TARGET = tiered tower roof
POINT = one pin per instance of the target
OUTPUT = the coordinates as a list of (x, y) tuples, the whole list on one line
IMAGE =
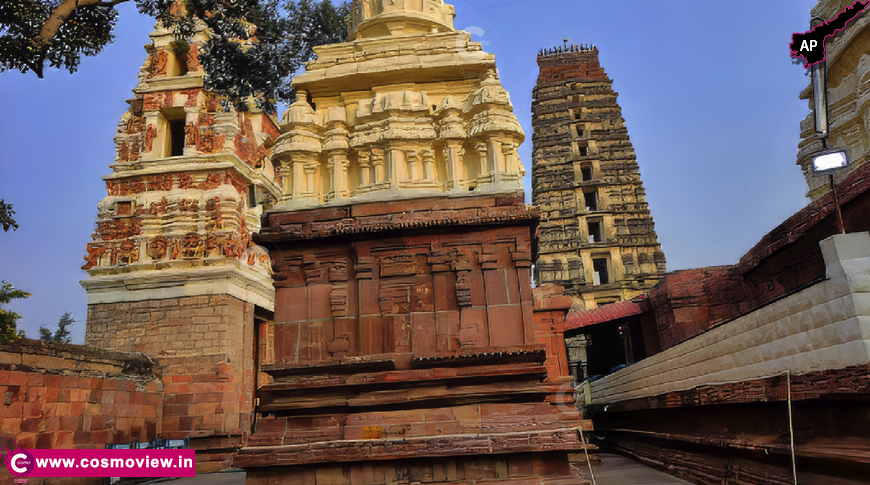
[(597, 237)]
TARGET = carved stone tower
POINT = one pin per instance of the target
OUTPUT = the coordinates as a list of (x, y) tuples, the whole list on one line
[(596, 236), (847, 68), (399, 123), (405, 346), (172, 269)]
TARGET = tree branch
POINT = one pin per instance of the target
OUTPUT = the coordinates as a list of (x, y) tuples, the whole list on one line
[(61, 13)]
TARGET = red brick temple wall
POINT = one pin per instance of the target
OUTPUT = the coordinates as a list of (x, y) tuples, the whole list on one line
[(206, 348), (406, 350), (70, 396)]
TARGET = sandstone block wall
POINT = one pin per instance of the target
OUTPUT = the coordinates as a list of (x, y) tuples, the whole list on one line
[(788, 259), (70, 396), (822, 327), (168, 327), (206, 346)]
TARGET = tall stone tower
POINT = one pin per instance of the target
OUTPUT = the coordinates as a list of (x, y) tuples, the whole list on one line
[(403, 124), (405, 348), (596, 236), (847, 68), (173, 271)]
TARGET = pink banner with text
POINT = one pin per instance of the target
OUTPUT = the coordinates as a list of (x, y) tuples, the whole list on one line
[(101, 463)]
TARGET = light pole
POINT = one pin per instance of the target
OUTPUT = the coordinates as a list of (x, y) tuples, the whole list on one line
[(827, 161)]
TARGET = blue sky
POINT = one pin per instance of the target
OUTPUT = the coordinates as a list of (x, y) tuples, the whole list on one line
[(708, 91)]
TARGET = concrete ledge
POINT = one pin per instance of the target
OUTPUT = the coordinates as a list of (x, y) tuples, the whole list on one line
[(242, 283), (36, 355)]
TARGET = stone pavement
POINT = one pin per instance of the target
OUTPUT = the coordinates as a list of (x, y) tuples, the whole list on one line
[(619, 470), (230, 478), (613, 470)]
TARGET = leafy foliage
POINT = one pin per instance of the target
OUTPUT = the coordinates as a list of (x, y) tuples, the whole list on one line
[(254, 46), (9, 319), (62, 334), (6, 214), (84, 33), (284, 42)]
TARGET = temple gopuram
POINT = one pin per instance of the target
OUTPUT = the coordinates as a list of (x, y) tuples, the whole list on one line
[(173, 271), (597, 237), (342, 296)]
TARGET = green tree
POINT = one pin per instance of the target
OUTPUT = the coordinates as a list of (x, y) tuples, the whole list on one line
[(62, 334), (6, 214), (9, 319), (57, 33)]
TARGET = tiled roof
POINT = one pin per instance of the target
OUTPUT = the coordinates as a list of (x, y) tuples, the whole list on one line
[(606, 313)]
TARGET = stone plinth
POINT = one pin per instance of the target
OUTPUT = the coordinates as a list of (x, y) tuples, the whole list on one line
[(406, 350)]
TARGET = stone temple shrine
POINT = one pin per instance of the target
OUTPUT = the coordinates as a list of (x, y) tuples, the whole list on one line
[(342, 296)]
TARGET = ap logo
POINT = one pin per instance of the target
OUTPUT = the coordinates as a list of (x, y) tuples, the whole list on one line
[(810, 46)]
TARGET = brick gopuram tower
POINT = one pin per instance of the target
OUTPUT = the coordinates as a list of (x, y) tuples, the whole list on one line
[(407, 346), (173, 272), (596, 236)]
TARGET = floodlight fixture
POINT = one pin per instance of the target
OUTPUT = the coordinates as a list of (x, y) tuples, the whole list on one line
[(830, 161)]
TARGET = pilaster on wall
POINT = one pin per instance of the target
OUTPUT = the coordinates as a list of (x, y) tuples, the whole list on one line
[(551, 307)]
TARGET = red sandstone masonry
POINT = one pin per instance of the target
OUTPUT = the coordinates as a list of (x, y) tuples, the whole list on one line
[(551, 306), (570, 65), (409, 355), (70, 396), (205, 345), (688, 303)]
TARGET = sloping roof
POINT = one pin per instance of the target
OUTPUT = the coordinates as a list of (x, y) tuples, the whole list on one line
[(853, 186), (603, 314)]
